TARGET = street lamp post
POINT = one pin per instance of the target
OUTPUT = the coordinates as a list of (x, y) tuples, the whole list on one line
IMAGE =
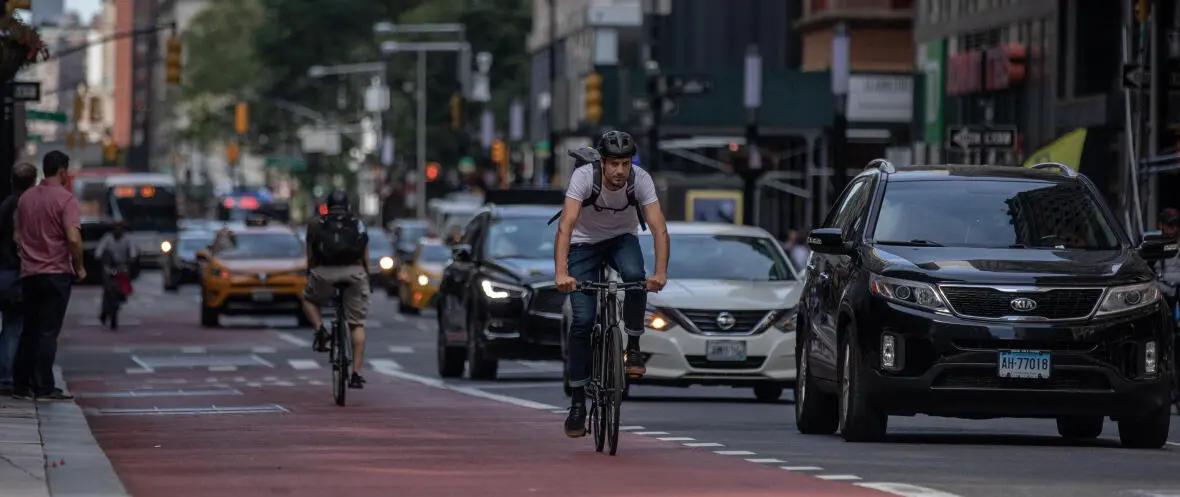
[(392, 47), (753, 101), (841, 74)]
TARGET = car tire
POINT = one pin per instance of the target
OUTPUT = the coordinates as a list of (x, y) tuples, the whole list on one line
[(479, 366), (815, 410), (1148, 432), (450, 359), (1080, 427), (768, 392), (859, 421), (210, 318)]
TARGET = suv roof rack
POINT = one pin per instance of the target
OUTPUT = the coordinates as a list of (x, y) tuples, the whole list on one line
[(1065, 170), (882, 164)]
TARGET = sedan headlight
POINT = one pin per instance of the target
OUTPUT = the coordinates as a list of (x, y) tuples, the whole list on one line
[(786, 320), (165, 246), (497, 291), (1130, 297), (905, 292), (386, 263), (654, 320)]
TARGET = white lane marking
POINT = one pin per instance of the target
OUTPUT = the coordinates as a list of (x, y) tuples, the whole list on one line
[(510, 386), (905, 489), (560, 411), (766, 461), (264, 350), (399, 318), (1172, 443), (284, 384), (223, 368), (292, 339), (630, 428), (193, 350), (677, 439), (474, 392), (802, 468), (734, 452), (137, 371), (142, 365), (254, 384), (400, 349), (262, 361), (385, 363), (703, 444), (303, 363), (315, 382), (838, 477), (652, 433), (270, 378)]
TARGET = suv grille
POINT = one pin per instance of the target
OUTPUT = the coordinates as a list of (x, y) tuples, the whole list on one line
[(1052, 304), (547, 300), (706, 320)]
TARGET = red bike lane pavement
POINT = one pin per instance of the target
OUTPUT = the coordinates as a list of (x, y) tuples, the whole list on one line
[(395, 438)]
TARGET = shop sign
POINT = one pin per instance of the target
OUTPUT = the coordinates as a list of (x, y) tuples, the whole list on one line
[(881, 98), (993, 69)]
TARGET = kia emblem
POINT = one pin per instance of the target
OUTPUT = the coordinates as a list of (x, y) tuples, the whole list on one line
[(1023, 304)]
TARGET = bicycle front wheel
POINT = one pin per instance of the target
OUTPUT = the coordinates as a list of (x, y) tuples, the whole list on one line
[(598, 409), (614, 390), (339, 363)]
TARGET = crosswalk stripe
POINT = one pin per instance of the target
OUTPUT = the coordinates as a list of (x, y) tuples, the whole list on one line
[(304, 363)]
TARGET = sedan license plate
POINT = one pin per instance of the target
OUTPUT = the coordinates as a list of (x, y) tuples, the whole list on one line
[(1024, 364), (725, 350), (263, 296)]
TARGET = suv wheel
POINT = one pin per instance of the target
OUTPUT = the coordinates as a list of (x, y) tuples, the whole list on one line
[(859, 421), (815, 410), (479, 366), (1080, 427), (1148, 432)]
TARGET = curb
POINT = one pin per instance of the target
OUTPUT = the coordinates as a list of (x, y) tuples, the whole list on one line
[(66, 435)]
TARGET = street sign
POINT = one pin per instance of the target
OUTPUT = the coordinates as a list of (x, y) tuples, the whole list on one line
[(1136, 77), (39, 115), (288, 163), (642, 104), (688, 85), (980, 137), (25, 91)]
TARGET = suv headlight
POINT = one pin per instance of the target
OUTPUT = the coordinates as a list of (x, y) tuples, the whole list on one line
[(907, 292), (497, 291), (1130, 297)]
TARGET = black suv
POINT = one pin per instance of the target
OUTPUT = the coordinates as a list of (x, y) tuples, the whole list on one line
[(496, 299), (982, 292)]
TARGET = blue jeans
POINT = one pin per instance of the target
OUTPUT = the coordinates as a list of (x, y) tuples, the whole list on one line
[(13, 318), (622, 254)]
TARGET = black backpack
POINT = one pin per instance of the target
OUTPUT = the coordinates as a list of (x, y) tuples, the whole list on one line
[(582, 159), (341, 241)]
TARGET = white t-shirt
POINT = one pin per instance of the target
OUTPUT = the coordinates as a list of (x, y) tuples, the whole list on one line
[(596, 225)]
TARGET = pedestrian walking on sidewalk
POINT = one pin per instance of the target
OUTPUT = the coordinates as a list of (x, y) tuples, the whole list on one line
[(24, 176), (49, 234)]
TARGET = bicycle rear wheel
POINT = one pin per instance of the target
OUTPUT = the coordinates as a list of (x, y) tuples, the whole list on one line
[(339, 362)]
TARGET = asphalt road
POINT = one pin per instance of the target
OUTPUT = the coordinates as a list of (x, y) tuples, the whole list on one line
[(923, 456)]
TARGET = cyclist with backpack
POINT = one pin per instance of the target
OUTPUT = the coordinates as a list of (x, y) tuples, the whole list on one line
[(338, 252), (598, 227)]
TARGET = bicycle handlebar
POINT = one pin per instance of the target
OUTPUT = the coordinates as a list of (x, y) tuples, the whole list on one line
[(595, 286)]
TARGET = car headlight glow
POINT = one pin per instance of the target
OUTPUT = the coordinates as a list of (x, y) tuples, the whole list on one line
[(497, 291), (1130, 297), (911, 293), (423, 280), (165, 246), (787, 320), (386, 263), (652, 319)]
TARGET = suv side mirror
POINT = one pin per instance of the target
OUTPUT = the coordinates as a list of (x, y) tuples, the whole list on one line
[(461, 252), (827, 241), (1157, 247)]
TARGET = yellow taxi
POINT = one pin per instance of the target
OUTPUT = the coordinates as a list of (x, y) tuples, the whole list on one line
[(258, 270), (419, 277)]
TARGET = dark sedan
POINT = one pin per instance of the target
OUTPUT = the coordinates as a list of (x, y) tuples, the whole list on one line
[(181, 266)]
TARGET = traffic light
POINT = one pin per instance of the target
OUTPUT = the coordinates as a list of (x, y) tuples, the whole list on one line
[(499, 152), (12, 5), (232, 152), (96, 109), (432, 171), (593, 91), (172, 60), (110, 152), (456, 111), (241, 118)]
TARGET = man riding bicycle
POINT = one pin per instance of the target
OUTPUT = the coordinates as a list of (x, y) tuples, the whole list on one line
[(606, 234), (338, 252)]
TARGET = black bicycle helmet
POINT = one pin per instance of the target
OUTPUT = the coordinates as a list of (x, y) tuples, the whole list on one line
[(338, 199), (616, 144)]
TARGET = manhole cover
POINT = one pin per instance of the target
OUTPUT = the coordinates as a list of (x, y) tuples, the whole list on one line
[(177, 411), (162, 393), (190, 361)]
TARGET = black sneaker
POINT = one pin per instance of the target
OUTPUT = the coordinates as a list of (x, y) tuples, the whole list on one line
[(633, 362), (356, 381), (321, 340), (56, 394), (575, 423)]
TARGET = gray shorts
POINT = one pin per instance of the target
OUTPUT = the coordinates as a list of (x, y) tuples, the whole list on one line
[(356, 298)]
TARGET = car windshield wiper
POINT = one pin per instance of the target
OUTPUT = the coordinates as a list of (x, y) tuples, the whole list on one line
[(911, 243)]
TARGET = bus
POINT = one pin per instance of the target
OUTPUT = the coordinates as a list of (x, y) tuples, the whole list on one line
[(146, 203)]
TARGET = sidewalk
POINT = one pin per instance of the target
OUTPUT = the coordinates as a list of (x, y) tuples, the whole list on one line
[(34, 440)]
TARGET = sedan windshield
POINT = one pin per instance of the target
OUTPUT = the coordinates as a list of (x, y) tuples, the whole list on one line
[(520, 238), (993, 214), (187, 248), (379, 244), (720, 257), (263, 246)]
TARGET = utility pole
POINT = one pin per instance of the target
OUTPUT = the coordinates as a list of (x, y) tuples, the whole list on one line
[(656, 87), (841, 74), (753, 101)]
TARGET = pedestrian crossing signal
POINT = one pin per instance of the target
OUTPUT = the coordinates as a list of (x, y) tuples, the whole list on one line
[(432, 170)]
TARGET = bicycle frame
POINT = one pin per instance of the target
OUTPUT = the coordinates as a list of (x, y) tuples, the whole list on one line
[(607, 381), (340, 352)]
